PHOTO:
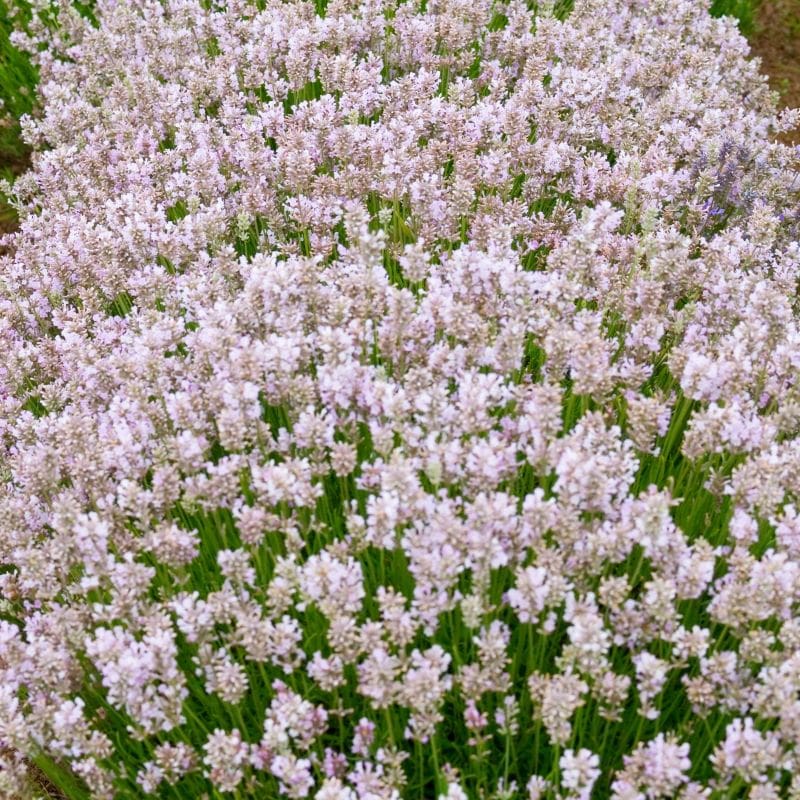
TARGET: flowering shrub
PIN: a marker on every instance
(401, 400)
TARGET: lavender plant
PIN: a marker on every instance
(400, 400)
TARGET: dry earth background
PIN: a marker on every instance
(776, 42)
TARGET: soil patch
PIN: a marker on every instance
(11, 166)
(776, 41)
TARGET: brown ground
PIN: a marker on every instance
(777, 43)
(8, 217)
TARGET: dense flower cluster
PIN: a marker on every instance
(401, 399)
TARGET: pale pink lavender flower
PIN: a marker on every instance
(417, 301)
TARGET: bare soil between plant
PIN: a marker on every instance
(777, 43)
